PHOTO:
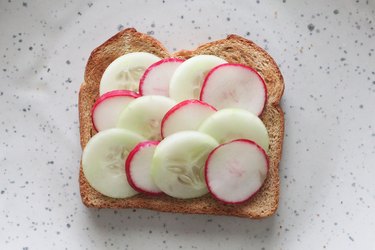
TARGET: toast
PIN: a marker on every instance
(233, 49)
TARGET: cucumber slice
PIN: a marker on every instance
(103, 161)
(125, 72)
(144, 115)
(235, 171)
(178, 164)
(230, 124)
(187, 80)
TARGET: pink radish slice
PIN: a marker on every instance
(155, 80)
(138, 168)
(236, 170)
(234, 86)
(186, 115)
(108, 107)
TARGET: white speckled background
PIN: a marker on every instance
(325, 50)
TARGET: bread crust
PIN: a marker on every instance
(234, 49)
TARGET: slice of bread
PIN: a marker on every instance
(234, 49)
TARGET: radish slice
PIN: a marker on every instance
(234, 86)
(187, 80)
(138, 168)
(235, 171)
(108, 107)
(125, 72)
(187, 115)
(156, 79)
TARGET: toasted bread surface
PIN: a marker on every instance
(234, 49)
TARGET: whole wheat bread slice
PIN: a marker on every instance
(234, 49)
